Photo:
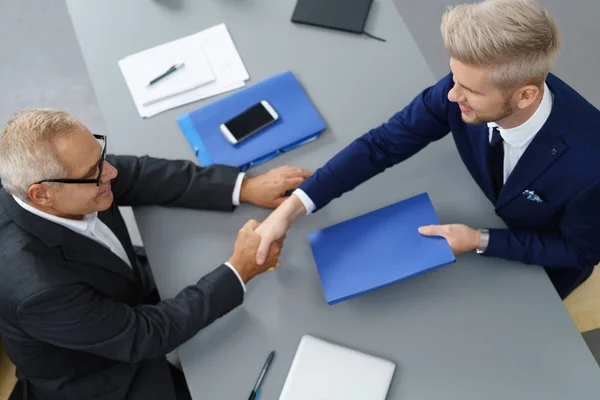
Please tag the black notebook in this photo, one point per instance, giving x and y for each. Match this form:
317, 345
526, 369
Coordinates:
345, 15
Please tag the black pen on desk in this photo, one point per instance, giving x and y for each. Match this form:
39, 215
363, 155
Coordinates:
166, 73
256, 391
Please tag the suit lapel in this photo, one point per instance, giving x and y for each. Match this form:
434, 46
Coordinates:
75, 247
79, 248
117, 226
543, 151
480, 140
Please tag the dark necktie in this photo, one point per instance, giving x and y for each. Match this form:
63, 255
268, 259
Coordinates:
496, 159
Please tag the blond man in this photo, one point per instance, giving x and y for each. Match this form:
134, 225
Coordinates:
528, 139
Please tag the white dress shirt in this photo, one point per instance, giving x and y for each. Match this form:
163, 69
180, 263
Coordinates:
516, 141
92, 227
237, 189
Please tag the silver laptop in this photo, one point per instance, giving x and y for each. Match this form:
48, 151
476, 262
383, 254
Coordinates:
325, 371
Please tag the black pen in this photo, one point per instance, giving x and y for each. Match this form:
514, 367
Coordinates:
166, 73
256, 391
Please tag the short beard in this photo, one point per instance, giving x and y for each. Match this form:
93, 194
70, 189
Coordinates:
507, 110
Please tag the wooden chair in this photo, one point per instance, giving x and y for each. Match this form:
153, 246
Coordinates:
8, 380
584, 303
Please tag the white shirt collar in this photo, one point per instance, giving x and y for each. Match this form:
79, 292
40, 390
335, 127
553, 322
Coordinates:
87, 224
522, 134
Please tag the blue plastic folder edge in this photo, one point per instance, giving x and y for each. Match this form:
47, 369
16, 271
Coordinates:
186, 124
187, 127
274, 154
191, 134
331, 302
335, 301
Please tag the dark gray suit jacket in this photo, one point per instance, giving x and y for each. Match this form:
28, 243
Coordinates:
72, 315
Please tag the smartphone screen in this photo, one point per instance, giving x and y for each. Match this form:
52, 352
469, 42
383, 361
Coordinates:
249, 121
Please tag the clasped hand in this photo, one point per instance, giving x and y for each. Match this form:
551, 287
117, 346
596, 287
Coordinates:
268, 190
246, 245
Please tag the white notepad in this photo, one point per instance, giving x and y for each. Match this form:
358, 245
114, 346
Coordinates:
212, 66
323, 370
142, 67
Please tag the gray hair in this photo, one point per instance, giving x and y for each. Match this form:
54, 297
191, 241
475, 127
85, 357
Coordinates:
517, 39
27, 148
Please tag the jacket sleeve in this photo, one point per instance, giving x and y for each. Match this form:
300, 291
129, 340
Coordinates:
79, 318
575, 245
174, 183
423, 121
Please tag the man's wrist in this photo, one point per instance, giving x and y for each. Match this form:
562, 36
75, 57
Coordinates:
484, 240
244, 189
309, 205
237, 274
293, 208
242, 273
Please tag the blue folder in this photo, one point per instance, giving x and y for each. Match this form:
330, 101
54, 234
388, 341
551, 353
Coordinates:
298, 124
378, 249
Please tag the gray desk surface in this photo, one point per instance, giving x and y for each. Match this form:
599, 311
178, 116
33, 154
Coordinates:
478, 329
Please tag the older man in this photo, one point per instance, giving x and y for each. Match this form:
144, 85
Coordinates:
74, 309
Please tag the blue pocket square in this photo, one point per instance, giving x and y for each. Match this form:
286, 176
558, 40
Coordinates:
532, 196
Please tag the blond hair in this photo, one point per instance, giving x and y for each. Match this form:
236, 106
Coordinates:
27, 150
517, 39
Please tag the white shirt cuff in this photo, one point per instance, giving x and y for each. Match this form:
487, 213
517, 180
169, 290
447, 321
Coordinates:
306, 201
237, 274
237, 189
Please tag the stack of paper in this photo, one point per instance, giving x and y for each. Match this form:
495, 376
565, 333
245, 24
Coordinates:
211, 66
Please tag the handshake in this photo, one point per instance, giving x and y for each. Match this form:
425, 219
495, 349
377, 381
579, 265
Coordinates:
245, 250
257, 246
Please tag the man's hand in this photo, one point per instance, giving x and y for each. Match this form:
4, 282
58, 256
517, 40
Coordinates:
268, 190
272, 229
461, 238
244, 253
276, 225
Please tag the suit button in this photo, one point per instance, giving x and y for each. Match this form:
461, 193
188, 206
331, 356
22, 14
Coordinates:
554, 152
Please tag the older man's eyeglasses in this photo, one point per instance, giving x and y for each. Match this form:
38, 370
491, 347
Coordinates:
99, 166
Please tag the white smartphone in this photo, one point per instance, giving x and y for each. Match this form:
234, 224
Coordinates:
249, 122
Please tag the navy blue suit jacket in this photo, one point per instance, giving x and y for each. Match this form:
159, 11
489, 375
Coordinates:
561, 165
